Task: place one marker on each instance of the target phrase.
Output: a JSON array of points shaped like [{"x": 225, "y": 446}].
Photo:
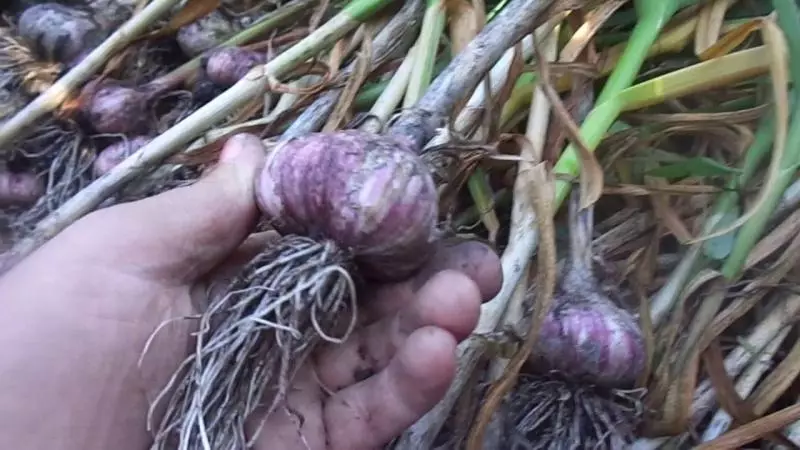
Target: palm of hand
[{"x": 78, "y": 312}]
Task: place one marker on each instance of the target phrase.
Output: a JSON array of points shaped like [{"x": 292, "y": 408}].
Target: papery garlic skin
[
  {"x": 369, "y": 194},
  {"x": 111, "y": 156},
  {"x": 592, "y": 340},
  {"x": 227, "y": 65}
]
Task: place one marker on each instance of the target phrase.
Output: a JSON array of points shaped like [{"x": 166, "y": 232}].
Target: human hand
[{"x": 76, "y": 314}]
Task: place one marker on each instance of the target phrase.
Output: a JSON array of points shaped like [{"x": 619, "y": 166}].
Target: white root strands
[{"x": 251, "y": 342}]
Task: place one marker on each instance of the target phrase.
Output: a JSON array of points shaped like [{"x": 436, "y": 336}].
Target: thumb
[{"x": 181, "y": 234}]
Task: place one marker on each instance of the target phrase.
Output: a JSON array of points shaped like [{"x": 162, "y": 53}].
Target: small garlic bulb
[
  {"x": 585, "y": 335},
  {"x": 111, "y": 156},
  {"x": 204, "y": 33},
  {"x": 367, "y": 193},
  {"x": 60, "y": 33},
  {"x": 226, "y": 66},
  {"x": 19, "y": 188}
]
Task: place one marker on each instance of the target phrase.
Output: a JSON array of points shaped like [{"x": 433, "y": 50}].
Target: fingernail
[
  {"x": 237, "y": 145},
  {"x": 246, "y": 153}
]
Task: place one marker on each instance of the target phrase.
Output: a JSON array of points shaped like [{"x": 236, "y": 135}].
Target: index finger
[{"x": 474, "y": 259}]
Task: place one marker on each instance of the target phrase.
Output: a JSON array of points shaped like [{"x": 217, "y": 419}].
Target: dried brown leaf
[
  {"x": 464, "y": 22},
  {"x": 777, "y": 238},
  {"x": 738, "y": 408},
  {"x": 676, "y": 406},
  {"x": 752, "y": 294},
  {"x": 546, "y": 280},
  {"x": 730, "y": 40},
  {"x": 665, "y": 214},
  {"x": 777, "y": 382},
  {"x": 644, "y": 273},
  {"x": 355, "y": 80},
  {"x": 709, "y": 24},
  {"x": 671, "y": 189},
  {"x": 754, "y": 430},
  {"x": 583, "y": 35},
  {"x": 493, "y": 115},
  {"x": 591, "y": 173}
]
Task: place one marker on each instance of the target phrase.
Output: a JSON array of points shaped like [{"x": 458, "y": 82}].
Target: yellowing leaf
[{"x": 730, "y": 40}]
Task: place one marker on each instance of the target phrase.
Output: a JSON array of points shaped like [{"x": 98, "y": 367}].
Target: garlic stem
[
  {"x": 536, "y": 132},
  {"x": 392, "y": 94},
  {"x": 515, "y": 260},
  {"x": 427, "y": 46},
  {"x": 392, "y": 38}
]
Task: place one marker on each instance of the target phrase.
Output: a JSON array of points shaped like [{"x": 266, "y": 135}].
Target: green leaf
[
  {"x": 699, "y": 166},
  {"x": 718, "y": 248}
]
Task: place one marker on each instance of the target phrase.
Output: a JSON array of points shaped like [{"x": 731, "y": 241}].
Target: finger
[
  {"x": 450, "y": 301},
  {"x": 182, "y": 233},
  {"x": 472, "y": 258},
  {"x": 252, "y": 246},
  {"x": 217, "y": 281},
  {"x": 371, "y": 413}
]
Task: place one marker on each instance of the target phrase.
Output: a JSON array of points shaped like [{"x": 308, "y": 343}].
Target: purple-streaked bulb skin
[
  {"x": 111, "y": 156},
  {"x": 20, "y": 188},
  {"x": 226, "y": 66},
  {"x": 592, "y": 340},
  {"x": 586, "y": 335},
  {"x": 369, "y": 194},
  {"x": 111, "y": 107}
]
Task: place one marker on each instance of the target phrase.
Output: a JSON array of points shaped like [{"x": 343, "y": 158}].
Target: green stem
[
  {"x": 753, "y": 229},
  {"x": 426, "y": 49},
  {"x": 789, "y": 20},
  {"x": 362, "y": 10},
  {"x": 483, "y": 196},
  {"x": 653, "y": 15}
]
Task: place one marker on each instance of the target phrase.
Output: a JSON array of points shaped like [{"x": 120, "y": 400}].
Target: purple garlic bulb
[
  {"x": 592, "y": 339},
  {"x": 586, "y": 335},
  {"x": 60, "y": 33},
  {"x": 111, "y": 156},
  {"x": 227, "y": 65},
  {"x": 204, "y": 34},
  {"x": 367, "y": 193},
  {"x": 111, "y": 107},
  {"x": 19, "y": 188}
]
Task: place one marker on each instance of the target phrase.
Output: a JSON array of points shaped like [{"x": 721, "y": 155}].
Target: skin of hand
[{"x": 76, "y": 314}]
